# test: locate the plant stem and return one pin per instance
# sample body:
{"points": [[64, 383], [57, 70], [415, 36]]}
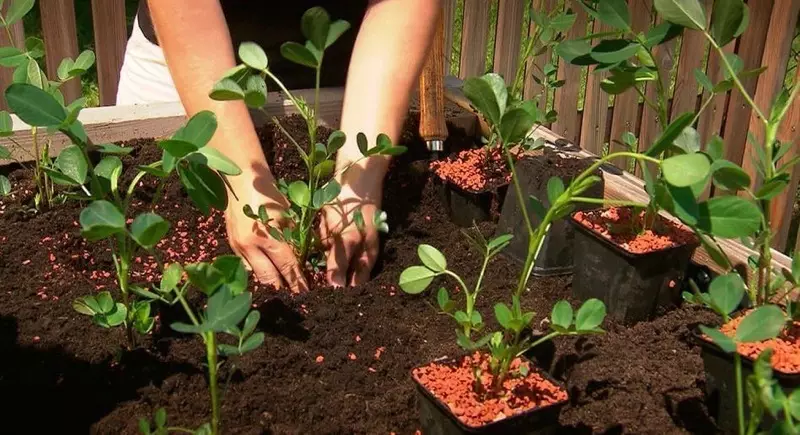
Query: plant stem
{"points": [[547, 337], [211, 354], [611, 202], [735, 78], [737, 368], [286, 91]]}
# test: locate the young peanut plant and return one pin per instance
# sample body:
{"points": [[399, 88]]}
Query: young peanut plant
{"points": [[247, 82], [25, 62], [228, 305]]}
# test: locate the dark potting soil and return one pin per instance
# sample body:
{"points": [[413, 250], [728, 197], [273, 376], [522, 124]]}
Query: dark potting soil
{"points": [[334, 361]]}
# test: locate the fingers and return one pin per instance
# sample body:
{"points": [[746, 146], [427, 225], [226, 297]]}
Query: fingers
{"points": [[284, 261], [365, 259], [343, 247], [263, 269]]}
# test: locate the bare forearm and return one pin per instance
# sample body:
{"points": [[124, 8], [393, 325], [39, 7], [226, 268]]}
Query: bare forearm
{"points": [[197, 46], [390, 51]]}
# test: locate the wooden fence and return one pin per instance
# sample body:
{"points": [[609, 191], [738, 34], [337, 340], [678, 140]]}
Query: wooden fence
{"points": [[499, 28]]}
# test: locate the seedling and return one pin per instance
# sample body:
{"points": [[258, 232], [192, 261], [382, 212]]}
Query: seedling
{"points": [[247, 82], [514, 339], [25, 62], [224, 284]]}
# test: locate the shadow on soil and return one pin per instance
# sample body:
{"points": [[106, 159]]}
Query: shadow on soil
{"points": [[49, 391]]}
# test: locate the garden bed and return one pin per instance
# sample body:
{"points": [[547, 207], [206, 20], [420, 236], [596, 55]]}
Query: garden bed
{"points": [[334, 361]]}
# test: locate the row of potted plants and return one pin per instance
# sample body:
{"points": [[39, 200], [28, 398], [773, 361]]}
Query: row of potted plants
{"points": [[628, 259]]}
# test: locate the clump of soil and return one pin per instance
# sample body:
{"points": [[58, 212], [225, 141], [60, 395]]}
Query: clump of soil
{"points": [[620, 225], [475, 170], [455, 385], [785, 347]]}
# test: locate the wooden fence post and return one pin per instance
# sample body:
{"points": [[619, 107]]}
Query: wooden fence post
{"points": [[110, 38], [474, 38], [60, 41], [18, 33]]}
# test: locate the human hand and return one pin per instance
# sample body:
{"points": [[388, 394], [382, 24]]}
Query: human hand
{"points": [[272, 261]]}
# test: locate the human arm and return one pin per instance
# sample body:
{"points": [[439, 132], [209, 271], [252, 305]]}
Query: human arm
{"points": [[198, 49], [388, 56]]}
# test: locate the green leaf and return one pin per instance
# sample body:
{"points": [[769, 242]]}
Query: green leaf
{"points": [[416, 279], [64, 68], [214, 159], [555, 187], [576, 52], [12, 57], [178, 148], [298, 54], [117, 316], [108, 172], [161, 417], [687, 13], [432, 258], [499, 242], [726, 292], [686, 169], [703, 80], [255, 94], [253, 55], [187, 328], [443, 299], [148, 229], [336, 29], [726, 19], [34, 46], [110, 148], [199, 129], [736, 62], [336, 140], [503, 315], [226, 90], [515, 125], [5, 186], [326, 194], [614, 13], [204, 186], [204, 276], [225, 310], [363, 144], [16, 10], [794, 404], [171, 277], [773, 187], [299, 193], [72, 163], [252, 342], [538, 208], [729, 217], [688, 140], [590, 315], [614, 50], [723, 341], [661, 33], [488, 94], [315, 25], [324, 169], [82, 63], [35, 106], [562, 314], [101, 219], [105, 302], [729, 176], [251, 322], [763, 323], [233, 272], [673, 130]]}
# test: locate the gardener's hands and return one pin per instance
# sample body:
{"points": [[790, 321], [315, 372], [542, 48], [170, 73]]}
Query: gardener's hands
{"points": [[272, 262]]}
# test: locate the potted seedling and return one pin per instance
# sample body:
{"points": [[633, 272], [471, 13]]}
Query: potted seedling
{"points": [[247, 82], [474, 182], [25, 62]]}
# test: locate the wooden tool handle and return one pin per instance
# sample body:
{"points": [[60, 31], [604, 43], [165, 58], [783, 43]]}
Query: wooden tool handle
{"points": [[432, 124]]}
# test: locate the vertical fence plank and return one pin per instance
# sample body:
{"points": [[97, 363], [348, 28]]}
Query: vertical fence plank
{"points": [[782, 205], [474, 38], [60, 41], [710, 122], [509, 36], [536, 64], [568, 123], [626, 105], [110, 37], [751, 51], [595, 107], [18, 33], [693, 50], [448, 15]]}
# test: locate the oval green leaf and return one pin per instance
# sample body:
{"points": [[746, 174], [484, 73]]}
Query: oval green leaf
{"points": [[590, 315], [726, 292], [299, 193], [35, 106], [687, 13], [686, 169], [416, 279], [729, 217], [432, 258], [562, 314], [763, 323], [253, 55], [729, 176], [148, 229]]}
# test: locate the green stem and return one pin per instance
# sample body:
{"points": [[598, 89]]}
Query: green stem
{"points": [[286, 91], [735, 78], [8, 31], [702, 108], [547, 337], [611, 202], [737, 367], [469, 297], [518, 190], [211, 354]]}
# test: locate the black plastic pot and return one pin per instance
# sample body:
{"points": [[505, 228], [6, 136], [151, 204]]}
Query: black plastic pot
{"points": [[555, 256], [437, 419], [634, 287], [721, 383], [466, 208]]}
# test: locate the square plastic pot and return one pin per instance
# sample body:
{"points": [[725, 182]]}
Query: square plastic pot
{"points": [[437, 419], [634, 287], [466, 208], [556, 254], [721, 383]]}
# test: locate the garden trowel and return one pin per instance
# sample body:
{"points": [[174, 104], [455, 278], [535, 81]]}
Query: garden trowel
{"points": [[432, 126]]}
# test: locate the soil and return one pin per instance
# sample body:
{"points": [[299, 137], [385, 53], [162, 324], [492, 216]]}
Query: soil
{"points": [[620, 226], [785, 347], [334, 361], [454, 384]]}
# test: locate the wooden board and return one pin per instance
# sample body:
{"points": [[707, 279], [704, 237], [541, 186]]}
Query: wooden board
{"points": [[568, 124], [18, 33], [783, 204], [60, 41], [508, 39], [474, 38], [694, 49], [110, 39], [448, 16], [537, 63], [596, 112]]}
